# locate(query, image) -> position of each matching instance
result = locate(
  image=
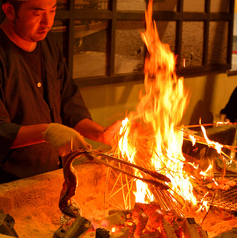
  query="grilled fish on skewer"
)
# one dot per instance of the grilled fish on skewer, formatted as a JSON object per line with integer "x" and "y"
{"x": 66, "y": 204}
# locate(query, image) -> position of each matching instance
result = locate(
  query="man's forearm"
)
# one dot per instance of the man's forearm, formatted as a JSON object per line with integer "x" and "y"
{"x": 96, "y": 132}
{"x": 29, "y": 135}
{"x": 91, "y": 130}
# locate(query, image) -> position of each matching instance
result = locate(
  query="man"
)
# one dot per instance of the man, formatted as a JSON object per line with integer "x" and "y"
{"x": 230, "y": 109}
{"x": 37, "y": 95}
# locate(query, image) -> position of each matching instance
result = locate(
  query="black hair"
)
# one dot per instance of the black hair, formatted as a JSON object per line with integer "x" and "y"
{"x": 15, "y": 3}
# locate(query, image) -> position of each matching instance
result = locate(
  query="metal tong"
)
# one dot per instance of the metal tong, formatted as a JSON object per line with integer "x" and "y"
{"x": 92, "y": 156}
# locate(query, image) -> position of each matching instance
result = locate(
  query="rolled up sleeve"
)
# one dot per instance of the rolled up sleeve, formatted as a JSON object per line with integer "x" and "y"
{"x": 8, "y": 133}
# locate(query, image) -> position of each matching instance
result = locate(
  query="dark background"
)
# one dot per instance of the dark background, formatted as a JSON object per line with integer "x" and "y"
{"x": 1, "y": 12}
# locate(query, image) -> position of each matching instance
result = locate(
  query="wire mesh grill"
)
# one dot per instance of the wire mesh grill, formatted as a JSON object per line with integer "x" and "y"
{"x": 226, "y": 199}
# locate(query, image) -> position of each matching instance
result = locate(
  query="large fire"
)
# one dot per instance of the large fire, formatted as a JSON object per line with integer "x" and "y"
{"x": 150, "y": 136}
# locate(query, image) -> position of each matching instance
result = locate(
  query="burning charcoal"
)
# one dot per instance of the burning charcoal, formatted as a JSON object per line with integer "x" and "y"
{"x": 177, "y": 227}
{"x": 155, "y": 215}
{"x": 136, "y": 211}
{"x": 102, "y": 233}
{"x": 154, "y": 234}
{"x": 167, "y": 231}
{"x": 123, "y": 233}
{"x": 202, "y": 233}
{"x": 117, "y": 219}
{"x": 132, "y": 227}
{"x": 170, "y": 216}
{"x": 140, "y": 219}
{"x": 80, "y": 225}
{"x": 190, "y": 228}
{"x": 154, "y": 221}
{"x": 148, "y": 208}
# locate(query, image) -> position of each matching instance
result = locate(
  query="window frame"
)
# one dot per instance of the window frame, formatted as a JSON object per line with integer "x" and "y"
{"x": 112, "y": 15}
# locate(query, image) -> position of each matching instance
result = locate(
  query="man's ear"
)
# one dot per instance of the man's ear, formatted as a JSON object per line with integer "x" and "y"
{"x": 9, "y": 10}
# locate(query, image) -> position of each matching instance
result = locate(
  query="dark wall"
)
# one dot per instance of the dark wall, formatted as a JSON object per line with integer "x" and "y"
{"x": 2, "y": 16}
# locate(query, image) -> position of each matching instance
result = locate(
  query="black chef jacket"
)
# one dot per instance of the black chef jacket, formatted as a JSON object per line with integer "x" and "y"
{"x": 22, "y": 103}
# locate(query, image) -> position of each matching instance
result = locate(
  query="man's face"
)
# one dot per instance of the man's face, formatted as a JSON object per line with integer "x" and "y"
{"x": 34, "y": 19}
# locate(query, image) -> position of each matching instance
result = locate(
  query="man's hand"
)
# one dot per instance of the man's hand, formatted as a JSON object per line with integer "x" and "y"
{"x": 64, "y": 138}
{"x": 96, "y": 132}
{"x": 110, "y": 132}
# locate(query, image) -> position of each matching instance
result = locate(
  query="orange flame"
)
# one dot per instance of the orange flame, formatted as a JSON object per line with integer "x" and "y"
{"x": 149, "y": 137}
{"x": 213, "y": 144}
{"x": 155, "y": 144}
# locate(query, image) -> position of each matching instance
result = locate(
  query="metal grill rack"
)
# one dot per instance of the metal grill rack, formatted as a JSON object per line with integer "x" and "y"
{"x": 226, "y": 199}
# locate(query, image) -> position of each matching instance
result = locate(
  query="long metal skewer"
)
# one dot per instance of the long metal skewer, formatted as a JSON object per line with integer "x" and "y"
{"x": 152, "y": 173}
{"x": 91, "y": 156}
{"x": 153, "y": 182}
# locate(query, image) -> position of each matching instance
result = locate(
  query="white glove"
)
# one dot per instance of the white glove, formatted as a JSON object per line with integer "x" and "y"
{"x": 64, "y": 138}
